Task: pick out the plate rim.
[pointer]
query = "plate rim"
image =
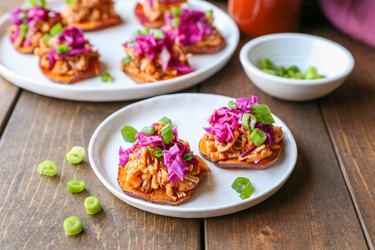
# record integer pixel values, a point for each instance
(189, 80)
(192, 212)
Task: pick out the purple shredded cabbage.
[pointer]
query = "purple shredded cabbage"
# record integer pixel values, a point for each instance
(173, 154)
(153, 48)
(224, 120)
(251, 149)
(192, 28)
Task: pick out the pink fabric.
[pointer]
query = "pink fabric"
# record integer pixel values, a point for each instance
(354, 17)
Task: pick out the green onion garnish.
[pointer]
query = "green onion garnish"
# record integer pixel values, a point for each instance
(23, 30)
(92, 205)
(33, 3)
(46, 37)
(129, 133)
(176, 11)
(267, 64)
(127, 60)
(232, 105)
(262, 114)
(167, 133)
(248, 121)
(134, 35)
(188, 156)
(70, 1)
(145, 31)
(258, 137)
(48, 168)
(242, 185)
(76, 155)
(75, 186)
(62, 49)
(155, 151)
(158, 34)
(209, 13)
(148, 130)
(165, 120)
(176, 21)
(106, 77)
(72, 225)
(22, 16)
(56, 29)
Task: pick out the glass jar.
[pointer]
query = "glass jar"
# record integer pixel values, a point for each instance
(260, 17)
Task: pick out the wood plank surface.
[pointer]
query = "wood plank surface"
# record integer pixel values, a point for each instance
(33, 208)
(314, 209)
(350, 117)
(8, 92)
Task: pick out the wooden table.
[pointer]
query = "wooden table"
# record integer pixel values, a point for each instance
(327, 203)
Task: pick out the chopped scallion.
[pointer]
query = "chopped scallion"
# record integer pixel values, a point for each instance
(72, 225)
(76, 155)
(127, 60)
(176, 21)
(23, 30)
(62, 49)
(232, 105)
(148, 130)
(167, 133)
(106, 77)
(92, 205)
(56, 29)
(129, 133)
(155, 151)
(262, 114)
(48, 168)
(188, 156)
(165, 120)
(243, 186)
(158, 34)
(75, 186)
(258, 137)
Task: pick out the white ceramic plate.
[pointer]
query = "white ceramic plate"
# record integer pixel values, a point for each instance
(23, 70)
(189, 112)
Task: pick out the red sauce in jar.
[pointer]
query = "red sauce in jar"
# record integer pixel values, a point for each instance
(260, 17)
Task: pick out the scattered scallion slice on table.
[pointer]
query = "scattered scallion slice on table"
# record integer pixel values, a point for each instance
(76, 155)
(76, 186)
(129, 133)
(48, 168)
(92, 205)
(243, 186)
(72, 225)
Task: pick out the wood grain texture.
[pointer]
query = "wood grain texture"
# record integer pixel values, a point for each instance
(33, 207)
(8, 92)
(350, 117)
(314, 209)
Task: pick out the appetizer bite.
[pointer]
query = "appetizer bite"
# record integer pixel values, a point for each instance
(91, 14)
(153, 57)
(65, 56)
(29, 24)
(242, 136)
(159, 167)
(194, 30)
(150, 13)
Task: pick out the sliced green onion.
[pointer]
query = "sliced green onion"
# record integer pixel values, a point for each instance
(281, 71)
(243, 186)
(76, 155)
(70, 1)
(134, 35)
(75, 186)
(148, 130)
(107, 77)
(165, 120)
(248, 121)
(253, 121)
(158, 34)
(188, 156)
(176, 21)
(167, 133)
(266, 64)
(23, 30)
(48, 168)
(294, 69)
(127, 60)
(46, 37)
(72, 225)
(262, 113)
(145, 31)
(32, 3)
(155, 151)
(56, 29)
(232, 105)
(92, 205)
(62, 49)
(176, 11)
(209, 13)
(129, 133)
(22, 16)
(258, 137)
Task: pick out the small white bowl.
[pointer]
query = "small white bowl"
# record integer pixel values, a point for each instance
(287, 49)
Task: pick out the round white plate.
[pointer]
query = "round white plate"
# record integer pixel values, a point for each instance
(189, 112)
(23, 70)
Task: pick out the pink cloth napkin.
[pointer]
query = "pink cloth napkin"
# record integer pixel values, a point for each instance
(354, 17)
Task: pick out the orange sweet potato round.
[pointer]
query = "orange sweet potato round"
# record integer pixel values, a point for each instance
(236, 164)
(98, 24)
